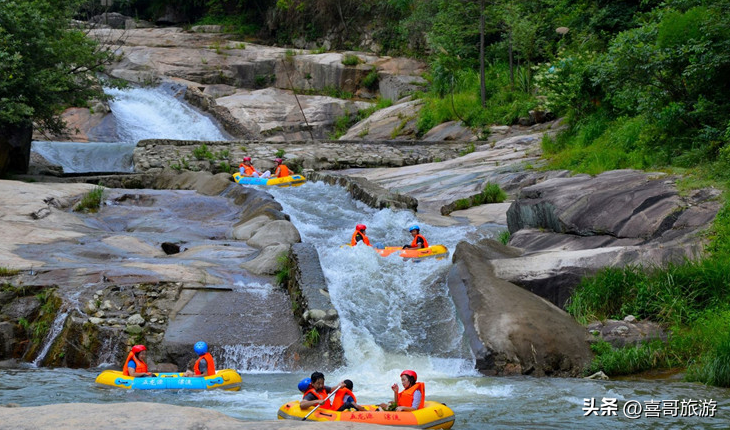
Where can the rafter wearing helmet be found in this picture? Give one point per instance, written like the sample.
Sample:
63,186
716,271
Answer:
359,235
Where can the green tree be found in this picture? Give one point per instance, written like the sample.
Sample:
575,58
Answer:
45,65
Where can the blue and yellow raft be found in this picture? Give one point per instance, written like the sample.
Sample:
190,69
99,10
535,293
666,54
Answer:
225,379
286,181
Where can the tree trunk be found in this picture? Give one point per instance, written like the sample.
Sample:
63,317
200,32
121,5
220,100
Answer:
482,84
511,62
15,142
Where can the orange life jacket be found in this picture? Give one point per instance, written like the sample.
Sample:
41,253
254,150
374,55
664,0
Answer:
209,360
283,171
415,241
141,365
365,239
247,170
321,395
405,397
339,398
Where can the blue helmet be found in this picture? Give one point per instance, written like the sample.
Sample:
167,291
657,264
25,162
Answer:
200,348
304,384
414,227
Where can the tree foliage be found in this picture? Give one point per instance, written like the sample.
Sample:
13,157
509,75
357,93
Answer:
45,65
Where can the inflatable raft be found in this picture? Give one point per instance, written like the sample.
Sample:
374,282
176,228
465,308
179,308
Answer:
433,415
438,251
226,379
286,181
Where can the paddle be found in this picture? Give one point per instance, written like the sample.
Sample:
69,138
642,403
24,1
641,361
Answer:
325,401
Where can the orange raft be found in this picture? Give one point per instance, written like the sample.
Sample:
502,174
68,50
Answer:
433,415
438,251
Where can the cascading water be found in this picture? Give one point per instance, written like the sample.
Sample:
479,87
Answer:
140,113
394,315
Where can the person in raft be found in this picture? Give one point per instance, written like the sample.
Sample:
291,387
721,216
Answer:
359,235
281,169
317,392
344,398
247,169
204,365
418,240
135,365
413,395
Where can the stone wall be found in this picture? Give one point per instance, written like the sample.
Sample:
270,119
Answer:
155,155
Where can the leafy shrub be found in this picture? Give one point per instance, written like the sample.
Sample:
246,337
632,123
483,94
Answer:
202,152
351,60
370,80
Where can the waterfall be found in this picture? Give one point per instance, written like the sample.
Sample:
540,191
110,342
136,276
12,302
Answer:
252,358
140,113
53,333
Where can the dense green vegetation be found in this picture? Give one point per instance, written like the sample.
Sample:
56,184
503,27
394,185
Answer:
44,65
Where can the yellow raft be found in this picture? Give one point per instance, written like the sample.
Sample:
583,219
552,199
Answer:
225,379
433,415
287,181
438,251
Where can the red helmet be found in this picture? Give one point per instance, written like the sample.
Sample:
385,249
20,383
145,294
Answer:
246,158
410,373
138,348
278,160
360,227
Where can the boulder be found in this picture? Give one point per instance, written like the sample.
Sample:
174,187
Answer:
510,330
450,130
275,232
244,230
268,262
626,332
394,122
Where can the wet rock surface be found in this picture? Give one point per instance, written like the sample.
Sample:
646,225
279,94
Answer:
115,286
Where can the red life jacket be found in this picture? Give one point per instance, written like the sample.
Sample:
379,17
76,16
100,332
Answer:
405,397
339,398
141,365
365,239
247,170
321,395
211,365
283,171
414,244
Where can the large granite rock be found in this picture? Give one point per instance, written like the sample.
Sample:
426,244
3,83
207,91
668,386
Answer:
570,227
510,330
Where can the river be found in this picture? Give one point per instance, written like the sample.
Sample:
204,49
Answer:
395,314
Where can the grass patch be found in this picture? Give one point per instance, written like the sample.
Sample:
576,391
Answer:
202,153
674,295
311,339
91,201
504,236
285,268
351,60
6,271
